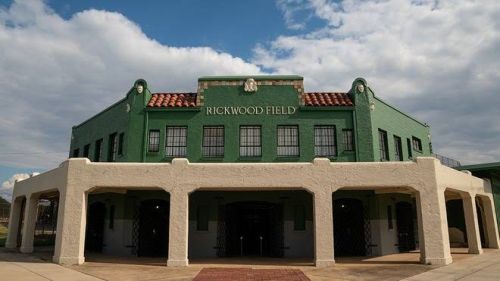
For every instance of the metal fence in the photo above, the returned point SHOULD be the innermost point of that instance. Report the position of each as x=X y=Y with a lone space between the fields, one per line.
x=452 y=163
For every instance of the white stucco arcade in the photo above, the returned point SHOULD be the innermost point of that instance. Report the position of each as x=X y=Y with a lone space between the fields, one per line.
x=425 y=179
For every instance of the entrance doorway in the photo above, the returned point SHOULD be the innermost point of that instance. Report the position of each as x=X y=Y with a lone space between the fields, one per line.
x=254 y=229
x=94 y=235
x=405 y=226
x=153 y=228
x=349 y=232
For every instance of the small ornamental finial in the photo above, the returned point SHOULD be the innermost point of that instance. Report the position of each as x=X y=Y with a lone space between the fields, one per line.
x=250 y=85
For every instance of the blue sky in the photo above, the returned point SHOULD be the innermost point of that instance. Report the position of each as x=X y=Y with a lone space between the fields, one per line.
x=63 y=61
x=227 y=26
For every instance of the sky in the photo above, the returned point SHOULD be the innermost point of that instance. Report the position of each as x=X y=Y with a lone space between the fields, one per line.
x=63 y=61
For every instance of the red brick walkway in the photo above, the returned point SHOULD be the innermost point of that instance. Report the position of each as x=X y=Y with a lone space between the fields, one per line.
x=249 y=274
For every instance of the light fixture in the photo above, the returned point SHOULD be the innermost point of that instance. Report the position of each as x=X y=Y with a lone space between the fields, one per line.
x=372 y=106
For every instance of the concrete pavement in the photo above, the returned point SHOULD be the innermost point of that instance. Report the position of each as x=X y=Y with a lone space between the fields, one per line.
x=20 y=267
x=15 y=266
x=479 y=267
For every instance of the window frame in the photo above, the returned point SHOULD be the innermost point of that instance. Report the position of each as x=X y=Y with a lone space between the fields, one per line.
x=121 y=139
x=219 y=149
x=398 y=148
x=98 y=150
x=297 y=138
x=179 y=137
x=112 y=147
x=321 y=129
x=345 y=140
x=250 y=147
x=86 y=150
x=383 y=145
x=409 y=146
x=416 y=144
x=154 y=147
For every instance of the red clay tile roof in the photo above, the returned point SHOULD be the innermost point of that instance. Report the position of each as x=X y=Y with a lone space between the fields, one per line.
x=327 y=99
x=172 y=100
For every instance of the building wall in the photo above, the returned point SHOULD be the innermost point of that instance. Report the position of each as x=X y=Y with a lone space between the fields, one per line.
x=396 y=123
x=365 y=122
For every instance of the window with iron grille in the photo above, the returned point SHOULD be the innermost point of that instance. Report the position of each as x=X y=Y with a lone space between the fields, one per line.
x=417 y=143
x=398 y=149
x=348 y=139
x=112 y=147
x=121 y=139
x=154 y=141
x=176 y=140
x=324 y=140
x=86 y=150
x=382 y=139
x=213 y=141
x=98 y=150
x=250 y=141
x=288 y=141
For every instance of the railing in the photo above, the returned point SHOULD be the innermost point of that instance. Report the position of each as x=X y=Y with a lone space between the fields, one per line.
x=452 y=163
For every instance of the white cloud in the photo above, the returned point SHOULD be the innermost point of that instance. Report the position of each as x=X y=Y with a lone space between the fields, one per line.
x=56 y=73
x=434 y=59
x=8 y=185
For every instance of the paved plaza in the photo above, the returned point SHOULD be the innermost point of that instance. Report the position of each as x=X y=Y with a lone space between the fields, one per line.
x=15 y=266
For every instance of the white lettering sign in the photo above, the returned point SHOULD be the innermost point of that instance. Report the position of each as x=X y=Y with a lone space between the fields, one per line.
x=250 y=110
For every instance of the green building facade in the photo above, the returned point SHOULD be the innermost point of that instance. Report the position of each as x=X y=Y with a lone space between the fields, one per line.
x=222 y=122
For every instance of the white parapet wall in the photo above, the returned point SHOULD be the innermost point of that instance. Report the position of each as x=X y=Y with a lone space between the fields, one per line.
x=426 y=178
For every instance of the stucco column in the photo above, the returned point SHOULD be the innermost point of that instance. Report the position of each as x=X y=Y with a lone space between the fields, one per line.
x=14 y=221
x=471 y=224
x=434 y=239
x=323 y=227
x=178 y=229
x=71 y=223
x=30 y=214
x=491 y=227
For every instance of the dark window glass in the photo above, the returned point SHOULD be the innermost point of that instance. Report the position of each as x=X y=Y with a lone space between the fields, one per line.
x=154 y=141
x=98 y=151
x=299 y=222
x=176 y=141
x=121 y=139
x=324 y=141
x=389 y=217
x=86 y=150
x=348 y=139
x=76 y=152
x=417 y=144
x=112 y=147
x=250 y=141
x=398 y=150
x=202 y=218
x=288 y=141
x=213 y=141
x=410 y=152
x=382 y=138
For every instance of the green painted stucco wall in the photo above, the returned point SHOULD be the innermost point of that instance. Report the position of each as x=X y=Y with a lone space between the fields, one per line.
x=131 y=117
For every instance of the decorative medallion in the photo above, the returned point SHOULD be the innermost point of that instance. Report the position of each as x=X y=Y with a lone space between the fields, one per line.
x=250 y=85
x=140 y=88
x=361 y=88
